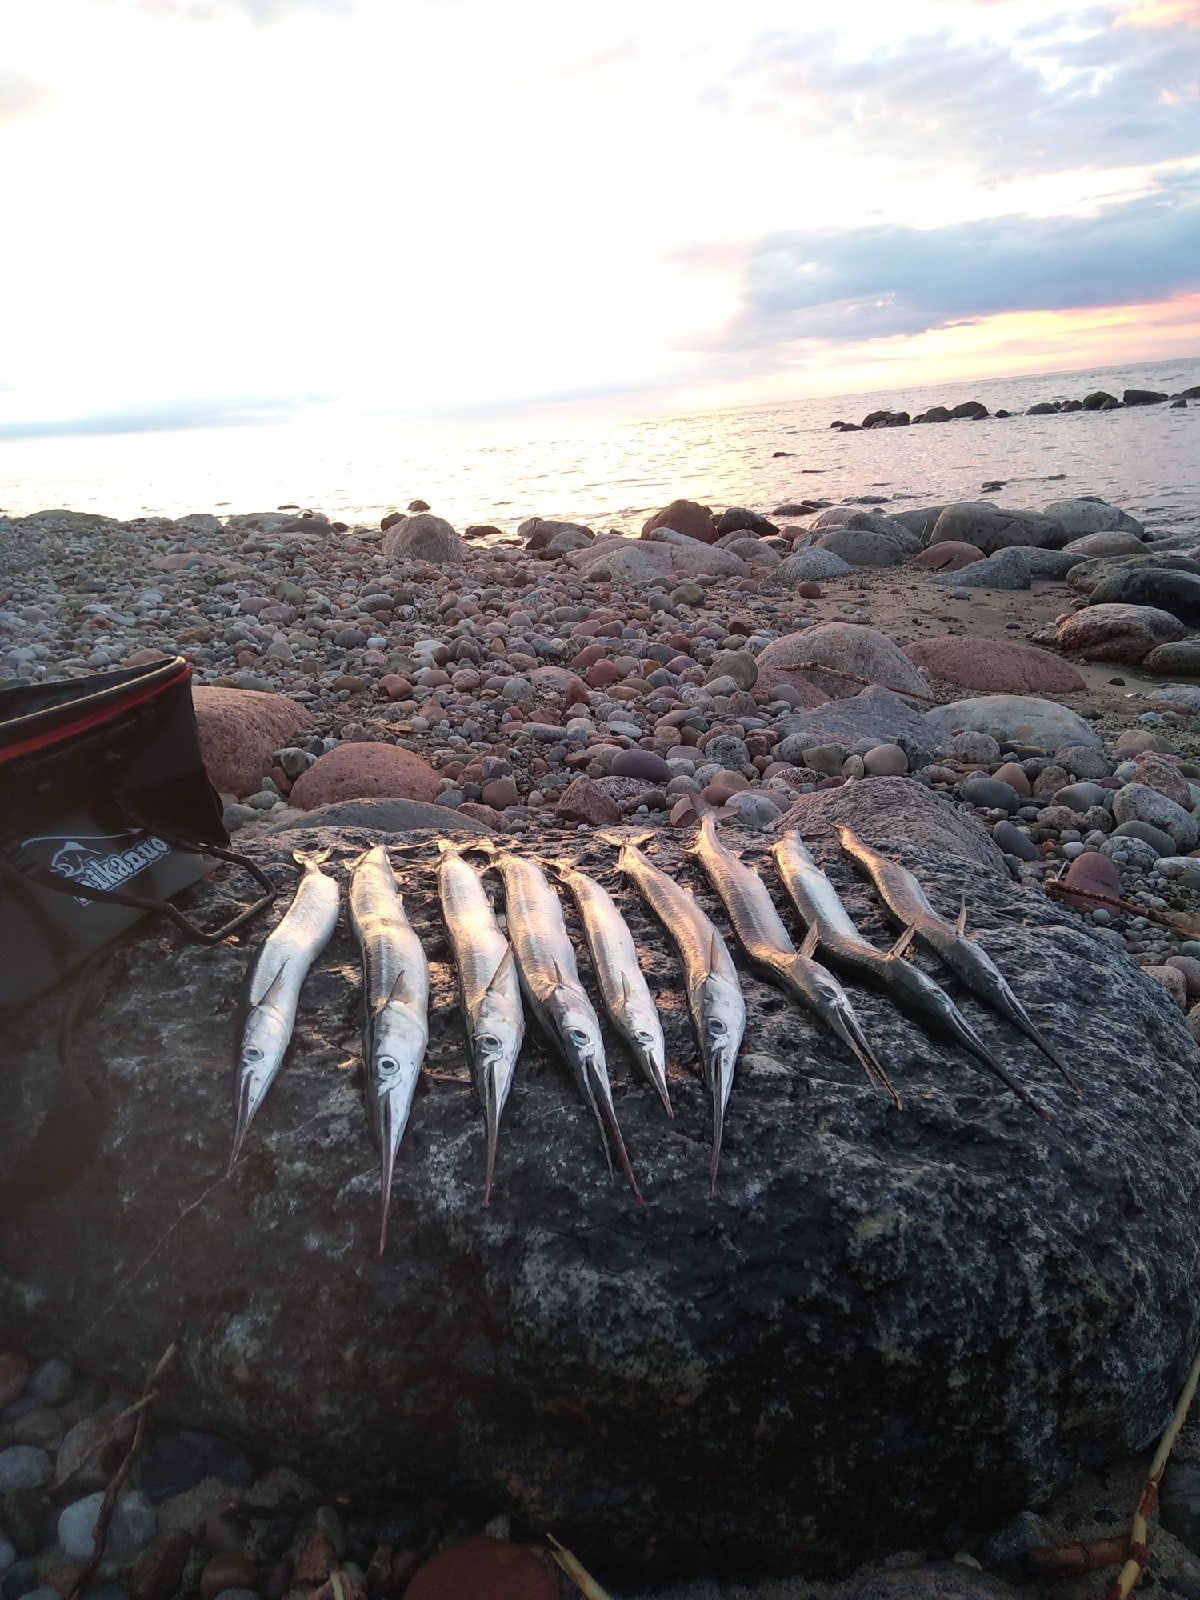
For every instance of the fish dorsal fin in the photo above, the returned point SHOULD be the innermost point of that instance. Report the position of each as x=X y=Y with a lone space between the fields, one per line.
x=559 y=982
x=902 y=943
x=811 y=940
x=400 y=989
x=960 y=927
x=265 y=998
x=625 y=989
x=500 y=976
x=714 y=953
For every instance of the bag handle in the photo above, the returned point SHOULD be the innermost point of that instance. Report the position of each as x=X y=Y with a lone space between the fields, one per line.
x=14 y=860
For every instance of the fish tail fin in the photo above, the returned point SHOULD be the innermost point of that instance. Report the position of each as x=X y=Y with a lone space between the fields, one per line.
x=611 y=836
x=902 y=943
x=312 y=859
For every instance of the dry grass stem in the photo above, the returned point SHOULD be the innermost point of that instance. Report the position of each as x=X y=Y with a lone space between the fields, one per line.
x=576 y=1571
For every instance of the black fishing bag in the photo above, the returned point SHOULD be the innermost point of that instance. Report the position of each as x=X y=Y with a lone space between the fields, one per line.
x=106 y=811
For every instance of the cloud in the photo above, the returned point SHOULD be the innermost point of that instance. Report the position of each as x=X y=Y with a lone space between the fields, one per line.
x=165 y=416
x=1050 y=101
x=848 y=286
x=260 y=12
x=20 y=96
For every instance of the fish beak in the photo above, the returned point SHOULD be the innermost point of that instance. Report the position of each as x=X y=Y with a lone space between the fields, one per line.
x=720 y=1095
x=244 y=1115
x=387 y=1147
x=491 y=1118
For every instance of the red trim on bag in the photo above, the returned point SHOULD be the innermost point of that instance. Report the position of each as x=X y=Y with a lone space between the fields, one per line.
x=39 y=741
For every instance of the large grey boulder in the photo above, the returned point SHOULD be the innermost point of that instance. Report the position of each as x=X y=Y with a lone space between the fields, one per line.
x=809 y=565
x=1019 y=718
x=873 y=716
x=1176 y=592
x=989 y=528
x=840 y=657
x=1085 y=576
x=424 y=537
x=886 y=1323
x=1088 y=515
x=539 y=532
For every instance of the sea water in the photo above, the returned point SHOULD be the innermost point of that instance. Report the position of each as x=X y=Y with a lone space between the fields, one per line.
x=612 y=475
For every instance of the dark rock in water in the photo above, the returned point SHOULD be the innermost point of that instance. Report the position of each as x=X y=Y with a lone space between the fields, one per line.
x=1176 y=592
x=876 y=714
x=886 y=1322
x=1143 y=397
x=737 y=518
x=1099 y=400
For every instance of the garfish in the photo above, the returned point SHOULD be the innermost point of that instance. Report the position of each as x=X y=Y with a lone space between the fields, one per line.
x=767 y=942
x=626 y=993
x=491 y=992
x=267 y=1012
x=820 y=908
x=907 y=902
x=395 y=1009
x=714 y=995
x=550 y=979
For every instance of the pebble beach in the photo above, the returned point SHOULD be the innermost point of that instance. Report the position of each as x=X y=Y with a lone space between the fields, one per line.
x=563 y=677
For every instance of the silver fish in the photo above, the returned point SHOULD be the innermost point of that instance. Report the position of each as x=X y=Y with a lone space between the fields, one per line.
x=395 y=1009
x=272 y=989
x=626 y=993
x=817 y=901
x=491 y=993
x=906 y=900
x=550 y=979
x=767 y=942
x=714 y=995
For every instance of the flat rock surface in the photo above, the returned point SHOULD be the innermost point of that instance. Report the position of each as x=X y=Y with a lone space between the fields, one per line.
x=687 y=1385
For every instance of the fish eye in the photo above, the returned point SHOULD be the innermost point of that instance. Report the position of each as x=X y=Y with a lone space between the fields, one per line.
x=489 y=1041
x=578 y=1036
x=388 y=1064
x=252 y=1053
x=643 y=1036
x=716 y=1026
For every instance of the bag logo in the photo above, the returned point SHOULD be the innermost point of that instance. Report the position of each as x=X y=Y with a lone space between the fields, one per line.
x=86 y=860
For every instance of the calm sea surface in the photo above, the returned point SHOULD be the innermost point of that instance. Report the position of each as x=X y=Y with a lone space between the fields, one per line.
x=1146 y=460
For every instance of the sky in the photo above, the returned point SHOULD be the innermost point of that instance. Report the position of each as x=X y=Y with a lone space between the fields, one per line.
x=222 y=211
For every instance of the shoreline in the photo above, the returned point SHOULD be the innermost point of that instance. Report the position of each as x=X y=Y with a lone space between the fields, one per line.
x=483 y=663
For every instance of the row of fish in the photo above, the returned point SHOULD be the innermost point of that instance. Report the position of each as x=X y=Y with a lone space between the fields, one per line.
x=536 y=959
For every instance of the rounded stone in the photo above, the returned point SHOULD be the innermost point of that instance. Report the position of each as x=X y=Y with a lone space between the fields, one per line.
x=1096 y=873
x=222 y=1572
x=994 y=666
x=886 y=761
x=132 y=1527
x=1128 y=851
x=362 y=771
x=1161 y=843
x=1014 y=842
x=482 y=1569
x=1116 y=632
x=979 y=790
x=973 y=746
x=24 y=1466
x=1138 y=802
x=1172 y=980
x=644 y=764
x=1014 y=774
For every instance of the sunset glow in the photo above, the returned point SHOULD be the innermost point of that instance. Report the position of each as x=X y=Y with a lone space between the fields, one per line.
x=230 y=208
